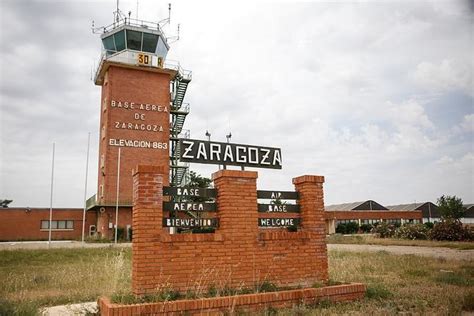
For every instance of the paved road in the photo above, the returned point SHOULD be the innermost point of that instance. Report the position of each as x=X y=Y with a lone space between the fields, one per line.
x=56 y=244
x=437 y=252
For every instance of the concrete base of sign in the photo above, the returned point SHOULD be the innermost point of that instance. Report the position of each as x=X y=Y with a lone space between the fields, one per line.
x=247 y=302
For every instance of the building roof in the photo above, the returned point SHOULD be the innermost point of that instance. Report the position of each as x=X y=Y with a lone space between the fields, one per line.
x=368 y=205
x=469 y=210
x=407 y=207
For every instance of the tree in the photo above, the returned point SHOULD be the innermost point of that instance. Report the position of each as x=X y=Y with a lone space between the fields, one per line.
x=451 y=207
x=198 y=181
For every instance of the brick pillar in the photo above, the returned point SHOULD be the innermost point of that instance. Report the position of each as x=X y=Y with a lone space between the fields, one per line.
x=311 y=201
x=147 y=219
x=237 y=204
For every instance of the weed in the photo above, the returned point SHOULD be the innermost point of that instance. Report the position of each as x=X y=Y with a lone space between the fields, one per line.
x=416 y=272
x=318 y=285
x=453 y=279
x=377 y=291
x=468 y=302
x=266 y=286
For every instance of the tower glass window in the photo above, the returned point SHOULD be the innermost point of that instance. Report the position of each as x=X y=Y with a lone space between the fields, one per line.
x=119 y=38
x=149 y=42
x=134 y=40
x=109 y=44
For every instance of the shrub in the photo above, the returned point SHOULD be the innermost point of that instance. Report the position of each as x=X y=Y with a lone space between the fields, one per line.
x=412 y=231
x=452 y=230
x=384 y=230
x=429 y=225
x=341 y=229
x=366 y=228
x=347 y=228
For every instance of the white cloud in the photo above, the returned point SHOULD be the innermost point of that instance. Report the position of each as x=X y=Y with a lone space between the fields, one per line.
x=445 y=76
x=345 y=89
x=408 y=113
x=467 y=124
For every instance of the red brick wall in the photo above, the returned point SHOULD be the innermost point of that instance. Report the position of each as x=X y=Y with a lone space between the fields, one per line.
x=238 y=253
x=108 y=216
x=138 y=86
x=20 y=224
x=373 y=215
x=239 y=303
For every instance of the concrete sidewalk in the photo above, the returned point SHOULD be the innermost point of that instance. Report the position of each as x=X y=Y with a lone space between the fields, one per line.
x=73 y=309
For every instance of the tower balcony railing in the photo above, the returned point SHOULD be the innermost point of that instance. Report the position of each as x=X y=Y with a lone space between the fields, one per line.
x=129 y=21
x=184 y=109
x=125 y=57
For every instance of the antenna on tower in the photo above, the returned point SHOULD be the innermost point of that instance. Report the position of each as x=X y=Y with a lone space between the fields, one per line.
x=169 y=12
x=117 y=12
x=173 y=39
x=163 y=22
x=136 y=15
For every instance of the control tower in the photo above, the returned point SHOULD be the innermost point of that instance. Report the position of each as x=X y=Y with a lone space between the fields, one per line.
x=141 y=112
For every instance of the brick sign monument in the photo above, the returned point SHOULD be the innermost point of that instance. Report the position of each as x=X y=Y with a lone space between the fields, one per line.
x=231 y=236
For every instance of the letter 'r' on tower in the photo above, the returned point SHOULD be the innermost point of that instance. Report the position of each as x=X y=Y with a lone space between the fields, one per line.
x=141 y=103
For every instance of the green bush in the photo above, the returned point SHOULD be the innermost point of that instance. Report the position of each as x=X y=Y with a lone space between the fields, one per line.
x=451 y=230
x=347 y=228
x=384 y=230
x=412 y=231
x=429 y=225
x=366 y=228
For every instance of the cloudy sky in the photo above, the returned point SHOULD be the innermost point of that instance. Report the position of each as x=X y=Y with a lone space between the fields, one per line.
x=376 y=96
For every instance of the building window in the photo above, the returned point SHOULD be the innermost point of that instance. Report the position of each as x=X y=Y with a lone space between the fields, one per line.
x=370 y=221
x=345 y=221
x=58 y=225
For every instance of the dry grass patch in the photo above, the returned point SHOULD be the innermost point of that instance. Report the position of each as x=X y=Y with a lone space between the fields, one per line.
x=372 y=240
x=396 y=284
x=32 y=278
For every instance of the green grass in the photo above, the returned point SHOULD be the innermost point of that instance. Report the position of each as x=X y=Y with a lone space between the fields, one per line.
x=396 y=284
x=372 y=240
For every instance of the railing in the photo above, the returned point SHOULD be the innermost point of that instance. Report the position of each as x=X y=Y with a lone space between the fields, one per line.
x=122 y=57
x=184 y=109
x=92 y=201
x=132 y=22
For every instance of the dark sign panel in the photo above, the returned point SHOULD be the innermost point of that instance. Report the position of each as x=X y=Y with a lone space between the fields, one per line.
x=190 y=222
x=199 y=151
x=283 y=208
x=188 y=191
x=189 y=206
x=283 y=195
x=278 y=222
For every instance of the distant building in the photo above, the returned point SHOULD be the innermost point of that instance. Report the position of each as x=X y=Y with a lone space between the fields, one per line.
x=371 y=212
x=429 y=210
x=367 y=212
